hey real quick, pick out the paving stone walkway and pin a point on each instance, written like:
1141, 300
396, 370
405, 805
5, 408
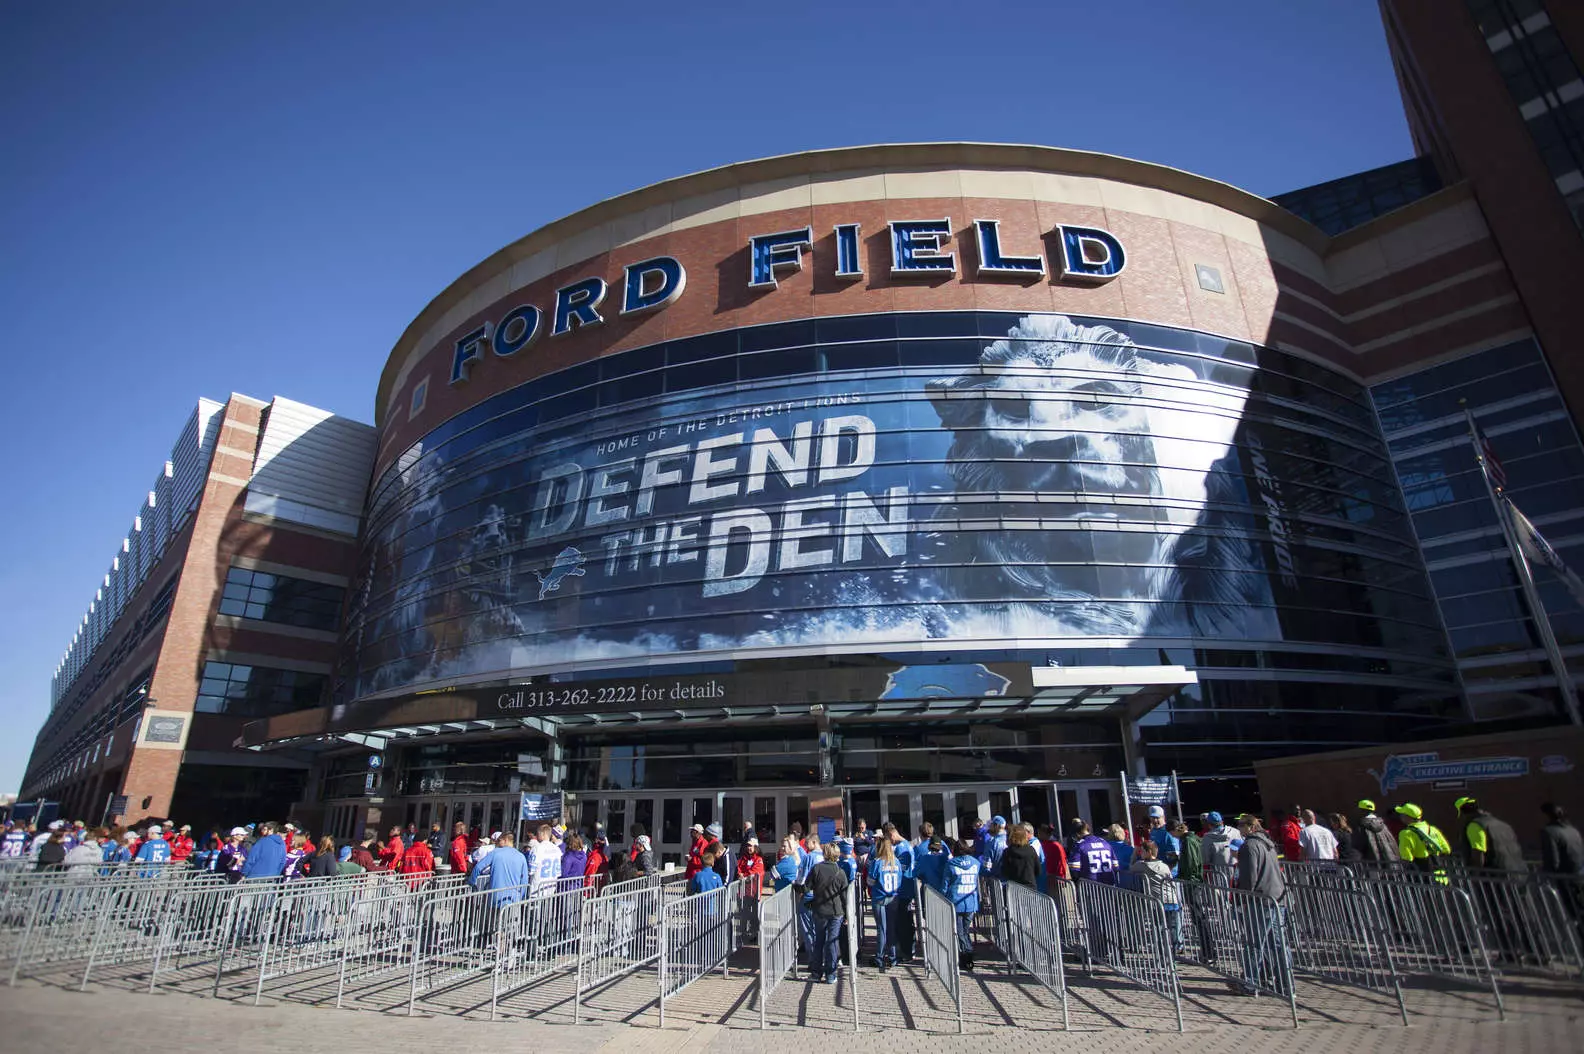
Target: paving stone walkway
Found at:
720, 1013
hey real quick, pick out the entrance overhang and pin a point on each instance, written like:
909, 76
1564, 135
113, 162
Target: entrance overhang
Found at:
926, 692
1109, 691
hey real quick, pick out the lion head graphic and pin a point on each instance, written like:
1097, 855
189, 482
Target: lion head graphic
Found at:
1122, 460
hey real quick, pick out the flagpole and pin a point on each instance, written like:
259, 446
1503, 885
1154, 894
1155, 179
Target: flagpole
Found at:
1526, 578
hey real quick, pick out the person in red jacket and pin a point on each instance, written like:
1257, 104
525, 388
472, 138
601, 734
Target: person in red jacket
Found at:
750, 864
695, 862
598, 862
417, 861
1287, 832
1055, 853
181, 846
393, 851
459, 848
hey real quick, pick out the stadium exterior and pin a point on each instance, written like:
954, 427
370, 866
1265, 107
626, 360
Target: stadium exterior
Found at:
905, 481
942, 480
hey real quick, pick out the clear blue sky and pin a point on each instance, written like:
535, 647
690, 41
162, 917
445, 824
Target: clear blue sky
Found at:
199, 198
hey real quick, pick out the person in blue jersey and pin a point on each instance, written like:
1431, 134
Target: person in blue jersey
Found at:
1121, 848
267, 858
885, 888
931, 862
785, 872
810, 853
706, 877
1168, 848
1093, 858
154, 850
907, 898
993, 845
963, 873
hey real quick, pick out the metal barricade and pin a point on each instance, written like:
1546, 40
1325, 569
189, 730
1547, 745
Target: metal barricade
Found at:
61, 919
941, 946
375, 945
778, 945
1074, 936
1029, 934
452, 939
1525, 920
621, 935
134, 918
195, 931
1433, 929
535, 937
1338, 933
697, 934
1127, 930
1241, 935
303, 930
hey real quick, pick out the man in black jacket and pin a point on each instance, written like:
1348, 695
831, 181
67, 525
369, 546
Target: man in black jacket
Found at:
1487, 841
828, 884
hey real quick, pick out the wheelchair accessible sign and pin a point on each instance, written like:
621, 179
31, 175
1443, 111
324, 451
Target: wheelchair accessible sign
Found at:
1401, 769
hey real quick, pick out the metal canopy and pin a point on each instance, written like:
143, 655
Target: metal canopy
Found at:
1081, 691
1130, 691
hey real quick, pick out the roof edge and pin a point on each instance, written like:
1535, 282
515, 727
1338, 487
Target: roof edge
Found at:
837, 159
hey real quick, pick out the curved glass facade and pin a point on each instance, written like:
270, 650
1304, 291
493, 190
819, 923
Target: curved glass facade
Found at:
969, 483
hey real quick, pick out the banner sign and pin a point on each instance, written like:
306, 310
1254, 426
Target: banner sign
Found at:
1402, 769
1149, 790
538, 808
937, 504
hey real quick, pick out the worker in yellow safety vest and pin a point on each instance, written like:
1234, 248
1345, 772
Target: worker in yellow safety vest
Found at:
1420, 844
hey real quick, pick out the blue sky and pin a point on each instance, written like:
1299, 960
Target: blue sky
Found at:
200, 198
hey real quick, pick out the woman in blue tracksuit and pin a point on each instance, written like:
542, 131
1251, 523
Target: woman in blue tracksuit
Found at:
885, 883
964, 873
786, 867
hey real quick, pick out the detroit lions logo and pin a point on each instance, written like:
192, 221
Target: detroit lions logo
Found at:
568, 562
1076, 415
958, 681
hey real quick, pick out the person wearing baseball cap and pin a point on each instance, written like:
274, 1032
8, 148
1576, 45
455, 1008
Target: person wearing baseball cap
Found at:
1373, 839
696, 851
181, 844
1420, 845
154, 850
1486, 841
1170, 849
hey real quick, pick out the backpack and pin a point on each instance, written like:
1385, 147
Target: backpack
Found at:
1438, 861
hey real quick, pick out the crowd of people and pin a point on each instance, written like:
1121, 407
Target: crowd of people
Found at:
886, 866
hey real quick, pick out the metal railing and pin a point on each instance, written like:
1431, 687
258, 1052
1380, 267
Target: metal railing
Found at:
535, 937
1241, 935
1128, 931
942, 946
698, 933
1029, 933
778, 945
620, 935
1337, 933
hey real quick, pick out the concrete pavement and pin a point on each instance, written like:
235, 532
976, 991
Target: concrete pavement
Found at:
719, 1013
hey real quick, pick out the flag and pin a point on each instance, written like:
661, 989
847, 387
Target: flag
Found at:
1493, 466
1539, 551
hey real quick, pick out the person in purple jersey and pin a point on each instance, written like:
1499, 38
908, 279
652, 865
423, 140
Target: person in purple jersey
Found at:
1093, 858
